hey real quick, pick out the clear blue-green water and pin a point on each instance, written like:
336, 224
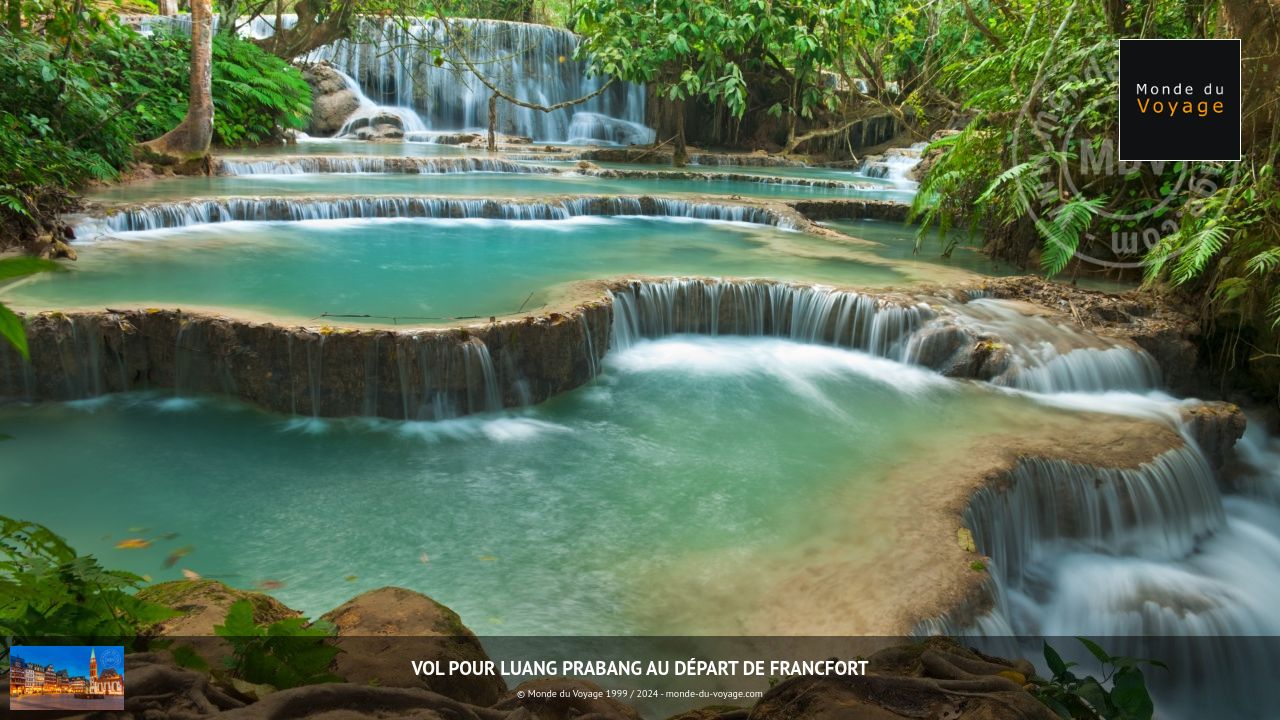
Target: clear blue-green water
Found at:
424, 268
896, 242
471, 184
787, 171
575, 516
334, 146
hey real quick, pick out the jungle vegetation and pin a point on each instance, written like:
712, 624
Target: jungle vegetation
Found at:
81, 91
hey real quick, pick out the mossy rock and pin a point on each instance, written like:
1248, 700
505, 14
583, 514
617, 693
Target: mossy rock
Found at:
201, 605
204, 604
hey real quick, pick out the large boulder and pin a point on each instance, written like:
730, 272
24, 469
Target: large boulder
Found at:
202, 604
332, 99
379, 126
373, 629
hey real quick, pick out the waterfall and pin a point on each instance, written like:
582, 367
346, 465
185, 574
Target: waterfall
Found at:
306, 165
396, 64
1046, 356
1152, 561
391, 64
894, 165
1160, 510
476, 353
1085, 370
804, 313
155, 216
589, 127
368, 112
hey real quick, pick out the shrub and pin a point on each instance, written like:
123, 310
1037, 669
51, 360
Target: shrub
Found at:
74, 107
1120, 694
47, 590
58, 129
287, 653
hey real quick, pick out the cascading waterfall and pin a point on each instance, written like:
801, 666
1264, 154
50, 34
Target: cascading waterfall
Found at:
1053, 507
395, 64
804, 313
1154, 561
373, 164
155, 216
1086, 370
1046, 356
392, 67
368, 112
894, 165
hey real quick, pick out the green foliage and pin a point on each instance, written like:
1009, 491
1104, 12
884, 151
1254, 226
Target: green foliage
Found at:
1037, 158
80, 94
57, 128
805, 54
1088, 698
47, 590
1232, 237
255, 94
11, 327
287, 653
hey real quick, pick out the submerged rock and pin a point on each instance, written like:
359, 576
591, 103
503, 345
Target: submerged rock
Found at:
372, 628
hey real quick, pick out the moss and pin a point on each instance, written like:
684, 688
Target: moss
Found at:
185, 595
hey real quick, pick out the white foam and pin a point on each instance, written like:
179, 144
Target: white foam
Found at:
796, 363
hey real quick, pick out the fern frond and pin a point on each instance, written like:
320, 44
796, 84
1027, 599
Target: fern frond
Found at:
1264, 262
1062, 232
1200, 249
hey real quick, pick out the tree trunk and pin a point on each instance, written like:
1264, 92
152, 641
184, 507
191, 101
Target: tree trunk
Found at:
680, 155
493, 122
190, 140
168, 7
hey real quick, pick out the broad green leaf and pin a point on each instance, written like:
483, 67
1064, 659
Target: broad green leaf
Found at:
12, 329
22, 266
1096, 650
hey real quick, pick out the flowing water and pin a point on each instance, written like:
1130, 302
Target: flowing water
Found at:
416, 268
555, 518
467, 184
689, 461
395, 64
